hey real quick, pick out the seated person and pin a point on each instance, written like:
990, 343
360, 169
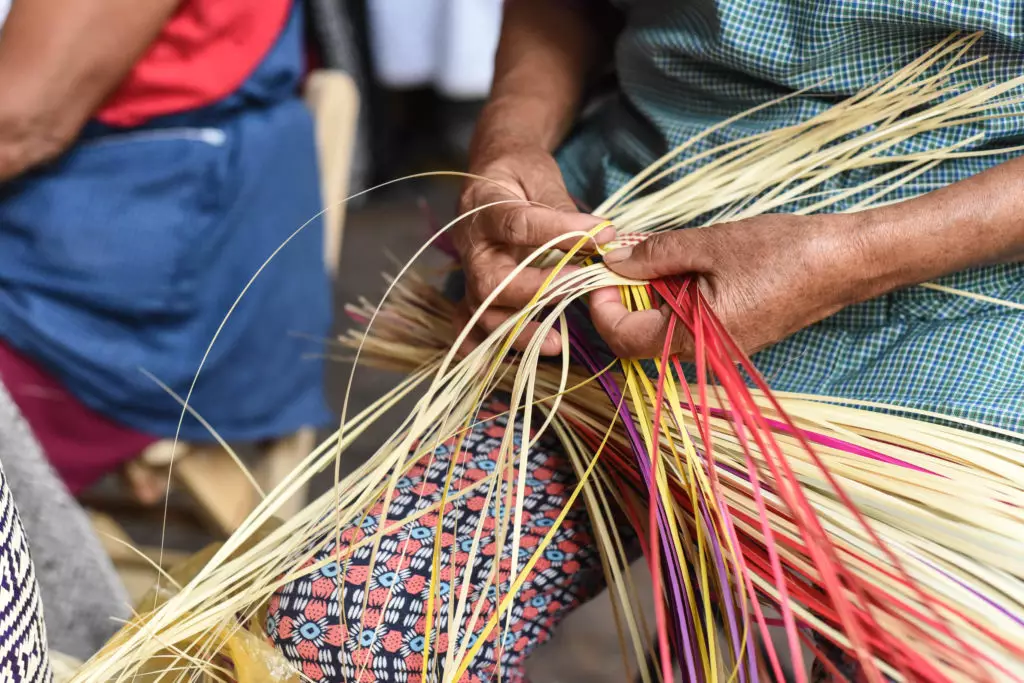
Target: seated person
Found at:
152, 156
802, 291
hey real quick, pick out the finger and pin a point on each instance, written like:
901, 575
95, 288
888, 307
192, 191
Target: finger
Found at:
533, 226
628, 334
633, 334
493, 318
490, 272
674, 253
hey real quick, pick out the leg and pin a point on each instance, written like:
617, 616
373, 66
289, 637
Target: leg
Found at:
380, 636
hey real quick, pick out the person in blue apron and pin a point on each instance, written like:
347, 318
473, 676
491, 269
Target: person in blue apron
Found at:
124, 246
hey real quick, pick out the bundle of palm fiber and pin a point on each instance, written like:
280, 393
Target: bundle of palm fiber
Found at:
894, 538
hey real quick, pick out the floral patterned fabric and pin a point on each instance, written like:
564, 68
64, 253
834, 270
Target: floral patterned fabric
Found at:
378, 633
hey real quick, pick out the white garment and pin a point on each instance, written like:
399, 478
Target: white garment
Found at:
448, 44
5, 7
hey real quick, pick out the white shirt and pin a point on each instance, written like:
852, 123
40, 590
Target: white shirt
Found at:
5, 7
445, 43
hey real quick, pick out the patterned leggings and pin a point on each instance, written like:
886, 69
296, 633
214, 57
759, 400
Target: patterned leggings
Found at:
381, 637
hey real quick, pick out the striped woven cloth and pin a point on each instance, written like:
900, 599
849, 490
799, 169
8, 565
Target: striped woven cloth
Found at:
684, 65
23, 650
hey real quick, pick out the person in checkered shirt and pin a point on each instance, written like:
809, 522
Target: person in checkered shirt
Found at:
824, 303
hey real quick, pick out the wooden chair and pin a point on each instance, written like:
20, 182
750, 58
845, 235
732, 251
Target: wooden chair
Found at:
222, 493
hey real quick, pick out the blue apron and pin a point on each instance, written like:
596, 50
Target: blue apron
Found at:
126, 254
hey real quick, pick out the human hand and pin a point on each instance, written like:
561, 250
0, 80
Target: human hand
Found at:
492, 242
765, 278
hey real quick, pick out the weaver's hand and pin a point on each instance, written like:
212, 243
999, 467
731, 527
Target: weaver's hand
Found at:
765, 278
495, 240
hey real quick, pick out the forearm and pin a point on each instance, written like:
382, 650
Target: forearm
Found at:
975, 222
548, 49
58, 62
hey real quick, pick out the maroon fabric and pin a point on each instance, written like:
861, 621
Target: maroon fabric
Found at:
81, 444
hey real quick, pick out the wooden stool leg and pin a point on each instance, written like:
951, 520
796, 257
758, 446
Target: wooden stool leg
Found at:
280, 457
214, 480
334, 100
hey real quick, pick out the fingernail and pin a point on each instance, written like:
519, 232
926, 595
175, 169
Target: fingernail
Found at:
606, 235
552, 343
617, 255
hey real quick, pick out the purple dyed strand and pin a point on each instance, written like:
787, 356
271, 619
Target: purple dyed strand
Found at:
751, 673
836, 443
582, 351
970, 589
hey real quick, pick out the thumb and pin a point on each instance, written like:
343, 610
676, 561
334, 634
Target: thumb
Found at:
673, 253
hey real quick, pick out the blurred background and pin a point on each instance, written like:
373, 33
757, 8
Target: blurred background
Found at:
423, 67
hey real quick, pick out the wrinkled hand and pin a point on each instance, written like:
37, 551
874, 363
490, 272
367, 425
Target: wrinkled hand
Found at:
494, 241
765, 278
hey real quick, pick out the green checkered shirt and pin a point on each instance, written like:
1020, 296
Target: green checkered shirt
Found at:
685, 64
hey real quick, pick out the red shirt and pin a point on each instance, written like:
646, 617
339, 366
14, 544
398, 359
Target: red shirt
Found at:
204, 53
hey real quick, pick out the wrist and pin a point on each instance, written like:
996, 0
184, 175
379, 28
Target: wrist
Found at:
504, 144
892, 252
512, 123
33, 129
841, 260
27, 141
